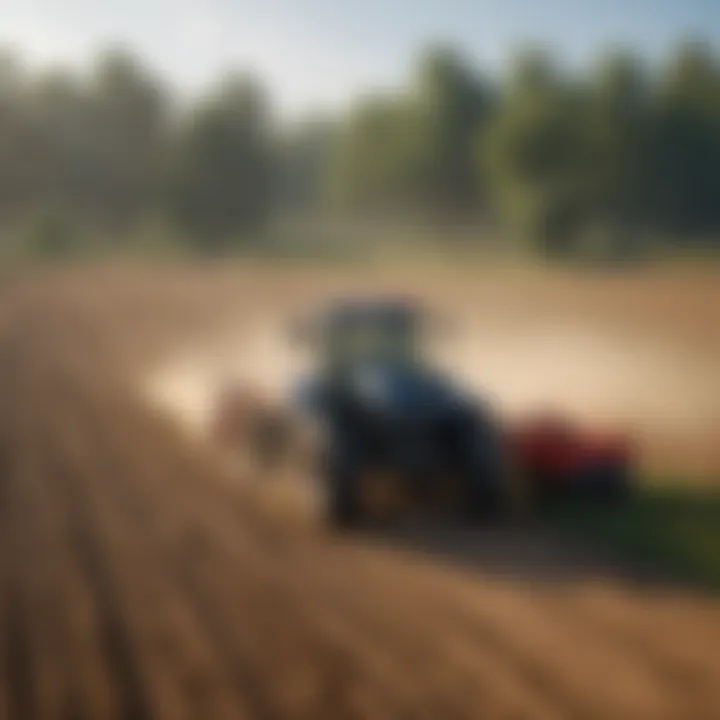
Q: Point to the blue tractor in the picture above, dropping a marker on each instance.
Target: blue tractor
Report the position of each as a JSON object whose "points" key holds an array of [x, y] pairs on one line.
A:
{"points": [[385, 411]]}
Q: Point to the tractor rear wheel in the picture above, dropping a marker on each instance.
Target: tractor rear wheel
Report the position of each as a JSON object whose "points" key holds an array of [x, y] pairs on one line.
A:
{"points": [[343, 507], [486, 491]]}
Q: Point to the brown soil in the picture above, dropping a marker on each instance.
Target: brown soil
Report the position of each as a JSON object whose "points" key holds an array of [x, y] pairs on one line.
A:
{"points": [[139, 581]]}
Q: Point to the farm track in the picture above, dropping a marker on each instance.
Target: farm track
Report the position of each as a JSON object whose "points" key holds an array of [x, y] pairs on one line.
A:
{"points": [[137, 583]]}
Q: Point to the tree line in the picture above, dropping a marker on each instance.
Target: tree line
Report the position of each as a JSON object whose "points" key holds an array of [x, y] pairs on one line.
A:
{"points": [[104, 153], [598, 161]]}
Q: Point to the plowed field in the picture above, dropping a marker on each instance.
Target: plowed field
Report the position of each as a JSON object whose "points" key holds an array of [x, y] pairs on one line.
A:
{"points": [[138, 580]]}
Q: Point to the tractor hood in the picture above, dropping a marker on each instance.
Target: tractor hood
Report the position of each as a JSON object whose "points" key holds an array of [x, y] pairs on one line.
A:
{"points": [[399, 391]]}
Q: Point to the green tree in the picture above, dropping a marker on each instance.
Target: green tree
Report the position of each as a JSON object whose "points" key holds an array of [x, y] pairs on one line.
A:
{"points": [[618, 126], [303, 157], [535, 156], [221, 183], [412, 152], [365, 164], [128, 114], [687, 143], [63, 148], [19, 154], [449, 105]]}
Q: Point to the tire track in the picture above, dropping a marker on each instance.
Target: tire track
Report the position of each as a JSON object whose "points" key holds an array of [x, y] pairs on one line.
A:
{"points": [[136, 583], [532, 667], [186, 680], [256, 551]]}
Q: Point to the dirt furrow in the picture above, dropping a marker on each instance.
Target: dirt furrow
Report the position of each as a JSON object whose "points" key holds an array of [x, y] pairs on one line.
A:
{"points": [[136, 582], [170, 639], [258, 588], [550, 654], [540, 669], [38, 682], [123, 495], [370, 618]]}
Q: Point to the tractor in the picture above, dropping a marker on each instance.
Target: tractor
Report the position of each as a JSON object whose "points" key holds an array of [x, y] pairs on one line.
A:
{"points": [[390, 421], [394, 430]]}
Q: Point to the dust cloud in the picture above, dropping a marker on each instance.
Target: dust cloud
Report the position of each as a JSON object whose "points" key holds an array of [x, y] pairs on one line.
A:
{"points": [[595, 376]]}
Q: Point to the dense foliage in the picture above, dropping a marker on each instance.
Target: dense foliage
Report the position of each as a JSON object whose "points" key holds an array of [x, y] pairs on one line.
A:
{"points": [[593, 164], [596, 162]]}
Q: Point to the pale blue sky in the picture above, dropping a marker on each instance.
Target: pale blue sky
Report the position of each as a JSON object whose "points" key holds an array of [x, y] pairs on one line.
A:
{"points": [[320, 52]]}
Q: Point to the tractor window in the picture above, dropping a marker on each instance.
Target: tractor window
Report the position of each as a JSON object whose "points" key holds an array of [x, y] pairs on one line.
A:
{"points": [[396, 343], [373, 338]]}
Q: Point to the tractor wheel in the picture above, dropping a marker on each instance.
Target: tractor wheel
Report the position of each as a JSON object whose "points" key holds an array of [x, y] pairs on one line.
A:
{"points": [[482, 500], [518, 490], [343, 506], [611, 484], [487, 493]]}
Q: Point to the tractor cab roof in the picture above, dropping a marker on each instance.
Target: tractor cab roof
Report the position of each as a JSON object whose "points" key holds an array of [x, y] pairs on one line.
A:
{"points": [[355, 327], [385, 310], [380, 321]]}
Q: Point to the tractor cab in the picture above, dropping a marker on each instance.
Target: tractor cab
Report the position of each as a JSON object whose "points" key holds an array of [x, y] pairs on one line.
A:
{"points": [[386, 412], [386, 332], [367, 335], [369, 353]]}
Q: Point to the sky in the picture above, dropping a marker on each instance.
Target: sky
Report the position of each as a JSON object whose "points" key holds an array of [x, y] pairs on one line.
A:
{"points": [[316, 54]]}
